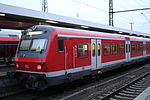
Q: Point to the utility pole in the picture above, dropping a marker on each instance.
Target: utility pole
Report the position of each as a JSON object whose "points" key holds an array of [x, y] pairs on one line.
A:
{"points": [[111, 13], [111, 20], [131, 25], [45, 5]]}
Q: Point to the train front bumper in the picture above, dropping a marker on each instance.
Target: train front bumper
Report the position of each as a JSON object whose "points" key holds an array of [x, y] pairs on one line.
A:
{"points": [[31, 81]]}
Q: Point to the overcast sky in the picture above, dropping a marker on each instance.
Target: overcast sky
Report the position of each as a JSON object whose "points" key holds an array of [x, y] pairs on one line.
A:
{"points": [[95, 11]]}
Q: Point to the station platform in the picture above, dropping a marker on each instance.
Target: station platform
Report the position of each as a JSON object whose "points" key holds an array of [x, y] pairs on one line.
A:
{"points": [[145, 95], [4, 69]]}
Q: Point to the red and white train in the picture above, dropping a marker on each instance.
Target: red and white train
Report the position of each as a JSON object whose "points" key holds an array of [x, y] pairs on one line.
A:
{"points": [[50, 55], [8, 47]]}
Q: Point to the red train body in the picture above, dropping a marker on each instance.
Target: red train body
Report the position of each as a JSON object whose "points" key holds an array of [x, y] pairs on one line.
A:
{"points": [[8, 47], [49, 56]]}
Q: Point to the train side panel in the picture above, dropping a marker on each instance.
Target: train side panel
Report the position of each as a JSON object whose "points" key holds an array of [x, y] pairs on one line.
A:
{"points": [[8, 46], [113, 50], [136, 48], [67, 53], [147, 48]]}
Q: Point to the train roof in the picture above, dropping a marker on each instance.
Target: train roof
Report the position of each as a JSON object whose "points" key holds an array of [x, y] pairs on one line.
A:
{"points": [[8, 37], [95, 34], [21, 18]]}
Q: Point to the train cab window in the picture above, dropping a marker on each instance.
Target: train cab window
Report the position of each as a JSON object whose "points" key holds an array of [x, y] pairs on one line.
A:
{"points": [[24, 45], [93, 49], [114, 48], [106, 49], [99, 48], [82, 50], [38, 44], [60, 45], [122, 49]]}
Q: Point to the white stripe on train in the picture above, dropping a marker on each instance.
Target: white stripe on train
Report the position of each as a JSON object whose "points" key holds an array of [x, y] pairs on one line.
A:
{"points": [[74, 70]]}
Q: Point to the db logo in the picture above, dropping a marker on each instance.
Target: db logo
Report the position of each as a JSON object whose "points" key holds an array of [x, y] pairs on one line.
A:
{"points": [[27, 66]]}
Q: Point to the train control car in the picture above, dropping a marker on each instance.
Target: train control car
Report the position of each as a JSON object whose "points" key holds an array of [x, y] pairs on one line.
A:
{"points": [[8, 47], [49, 55]]}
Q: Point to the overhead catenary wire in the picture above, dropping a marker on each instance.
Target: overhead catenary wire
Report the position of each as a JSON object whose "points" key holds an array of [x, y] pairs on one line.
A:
{"points": [[91, 6], [145, 17], [131, 10]]}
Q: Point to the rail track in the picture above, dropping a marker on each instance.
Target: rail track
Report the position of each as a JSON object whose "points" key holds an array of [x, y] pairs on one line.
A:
{"points": [[127, 91], [85, 90], [106, 88], [8, 86]]}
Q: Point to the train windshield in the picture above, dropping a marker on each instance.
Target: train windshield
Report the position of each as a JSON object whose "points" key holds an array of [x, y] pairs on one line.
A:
{"points": [[33, 45], [39, 44], [25, 44]]}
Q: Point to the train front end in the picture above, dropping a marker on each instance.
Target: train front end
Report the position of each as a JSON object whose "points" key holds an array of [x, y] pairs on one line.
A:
{"points": [[31, 57]]}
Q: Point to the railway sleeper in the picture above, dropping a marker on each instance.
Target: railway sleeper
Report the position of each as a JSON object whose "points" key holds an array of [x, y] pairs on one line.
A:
{"points": [[139, 86], [100, 97], [128, 95], [131, 92], [140, 82], [113, 99], [123, 98], [105, 94], [129, 89], [136, 88]]}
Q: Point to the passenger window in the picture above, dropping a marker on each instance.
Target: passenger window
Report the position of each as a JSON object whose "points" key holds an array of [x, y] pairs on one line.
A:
{"points": [[82, 50], [147, 46], [127, 48], [99, 49], [106, 49], [136, 47], [114, 48], [141, 47], [60, 45], [93, 49], [133, 47], [122, 49]]}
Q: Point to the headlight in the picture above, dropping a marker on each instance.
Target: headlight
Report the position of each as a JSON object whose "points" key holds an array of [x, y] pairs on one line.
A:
{"points": [[39, 67], [17, 66]]}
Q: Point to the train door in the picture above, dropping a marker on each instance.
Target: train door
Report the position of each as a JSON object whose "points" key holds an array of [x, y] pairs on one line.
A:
{"points": [[96, 53], [128, 50], [68, 53]]}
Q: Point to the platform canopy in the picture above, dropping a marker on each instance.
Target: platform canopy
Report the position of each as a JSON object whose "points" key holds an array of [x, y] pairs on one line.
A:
{"points": [[12, 17]]}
